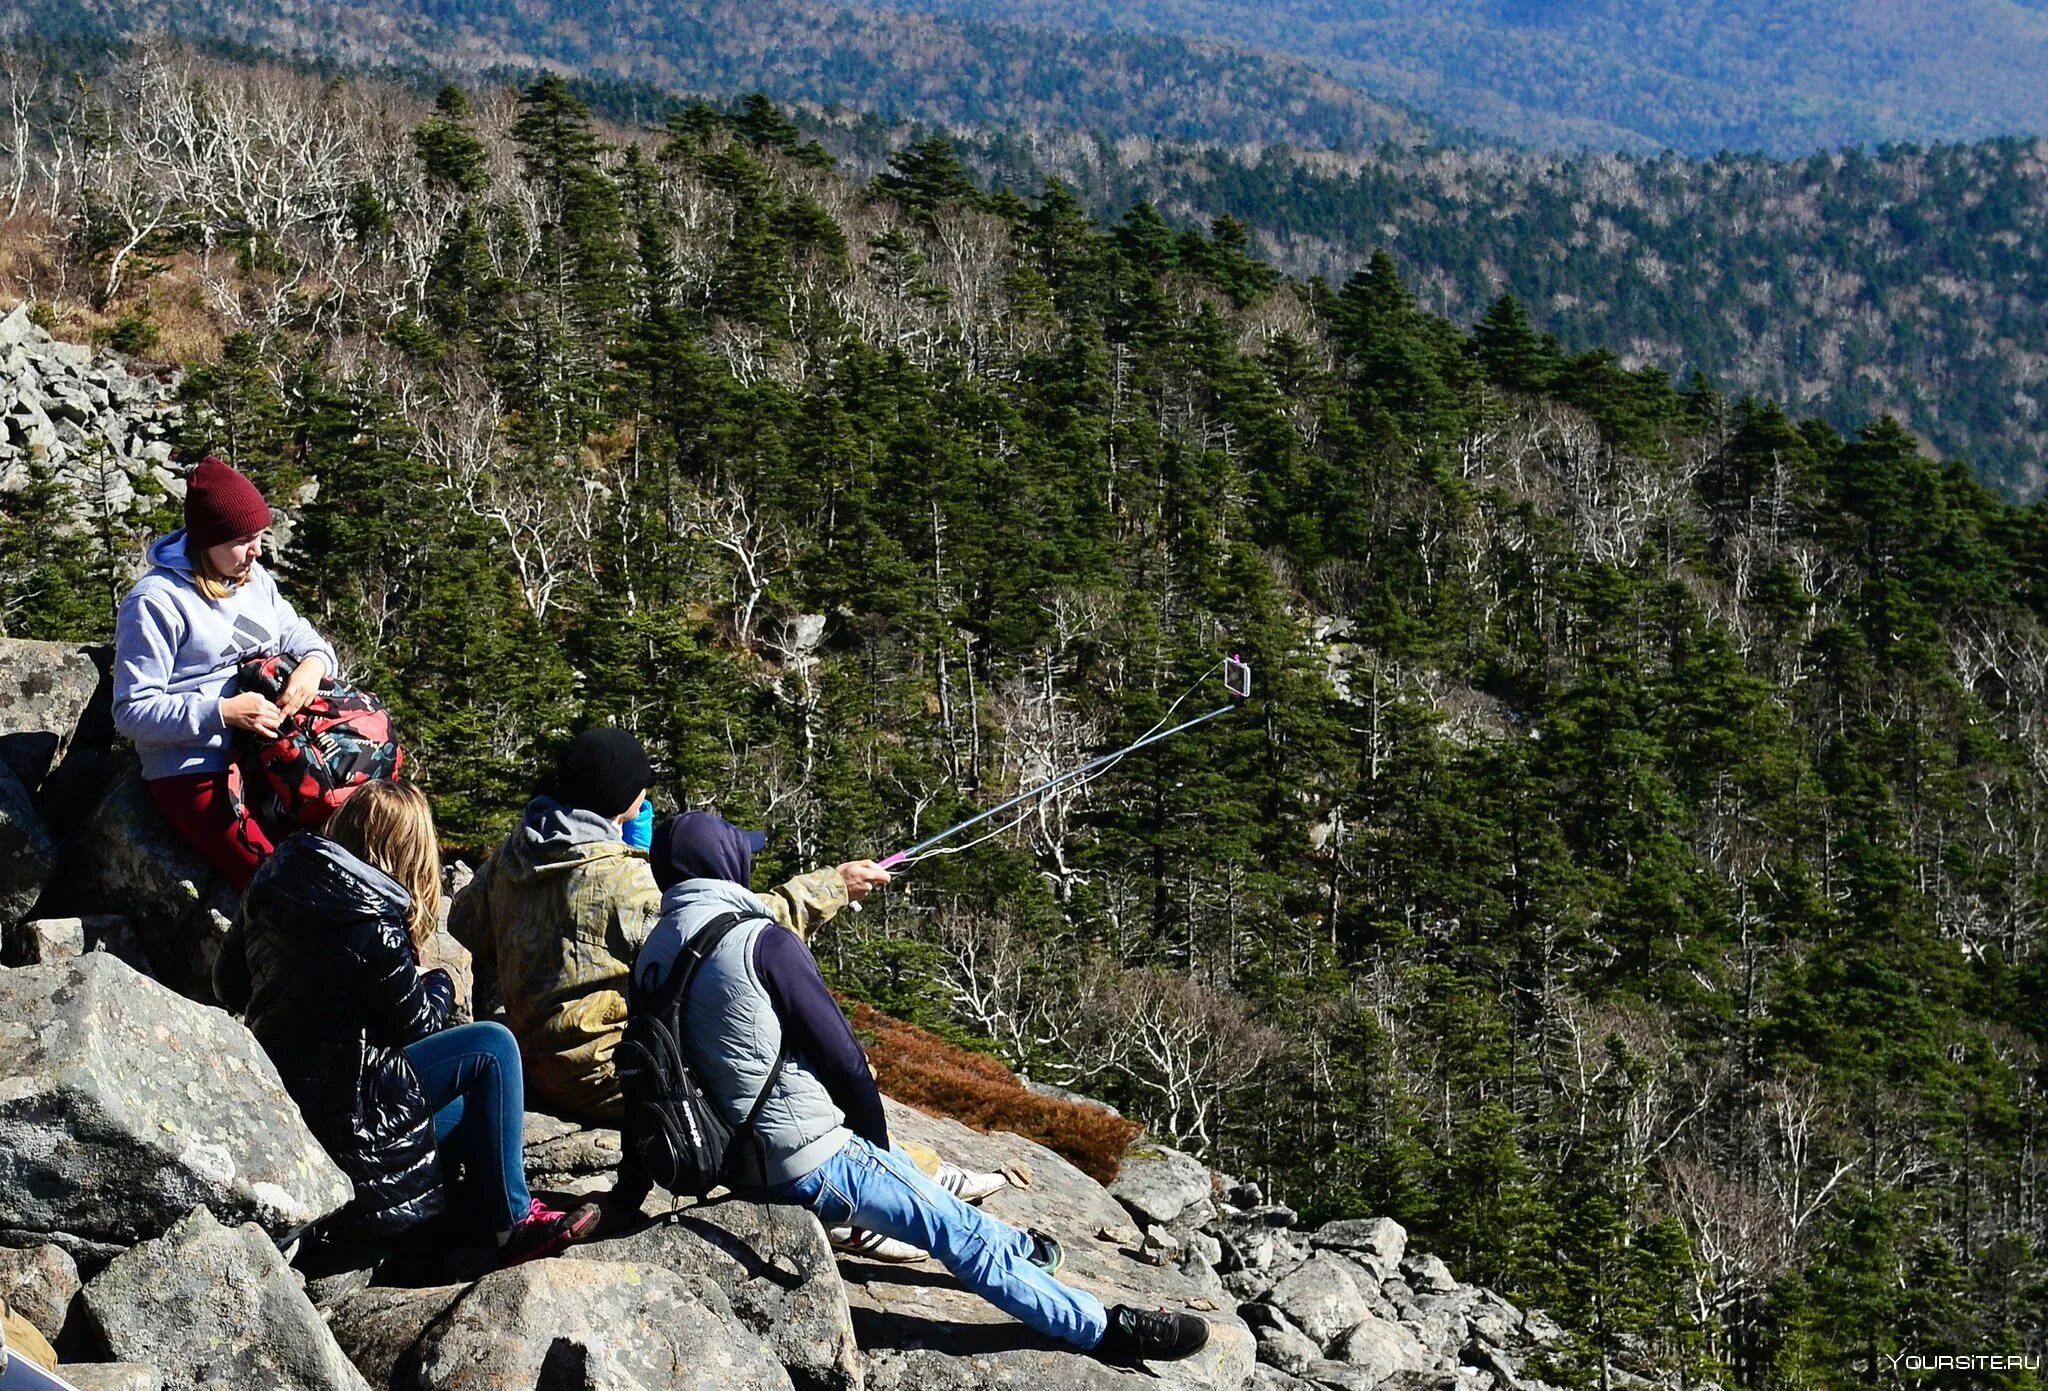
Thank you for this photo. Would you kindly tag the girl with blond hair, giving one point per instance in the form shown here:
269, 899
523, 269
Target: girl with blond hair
323, 962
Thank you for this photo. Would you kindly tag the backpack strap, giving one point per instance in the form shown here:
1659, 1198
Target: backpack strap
702, 944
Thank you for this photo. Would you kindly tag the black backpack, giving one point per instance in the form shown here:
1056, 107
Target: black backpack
672, 1128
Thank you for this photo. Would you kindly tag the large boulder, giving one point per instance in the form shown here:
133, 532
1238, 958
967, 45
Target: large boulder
1379, 1242
217, 1309
1158, 1185
588, 1324
1324, 1297
1382, 1348
126, 860
123, 1106
380, 1328
920, 1331
39, 1283
775, 1267
27, 855
45, 688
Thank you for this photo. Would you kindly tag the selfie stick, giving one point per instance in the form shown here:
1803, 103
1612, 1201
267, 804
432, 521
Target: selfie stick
1237, 679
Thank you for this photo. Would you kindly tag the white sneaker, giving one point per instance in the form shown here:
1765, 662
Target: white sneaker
966, 1184
859, 1241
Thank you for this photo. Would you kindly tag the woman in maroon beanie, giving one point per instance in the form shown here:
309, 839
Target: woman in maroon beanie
206, 606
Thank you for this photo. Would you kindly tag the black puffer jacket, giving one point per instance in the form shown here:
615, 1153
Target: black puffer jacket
319, 964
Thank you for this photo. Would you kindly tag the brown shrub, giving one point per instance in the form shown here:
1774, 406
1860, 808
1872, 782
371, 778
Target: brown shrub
921, 1069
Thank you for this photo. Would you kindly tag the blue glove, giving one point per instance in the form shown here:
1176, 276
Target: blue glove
640, 830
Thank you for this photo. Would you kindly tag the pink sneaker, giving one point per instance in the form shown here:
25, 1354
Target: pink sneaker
544, 1231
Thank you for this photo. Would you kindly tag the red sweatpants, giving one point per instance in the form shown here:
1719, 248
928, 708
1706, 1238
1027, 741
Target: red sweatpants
200, 809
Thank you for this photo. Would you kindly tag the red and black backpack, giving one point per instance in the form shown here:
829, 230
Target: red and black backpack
338, 741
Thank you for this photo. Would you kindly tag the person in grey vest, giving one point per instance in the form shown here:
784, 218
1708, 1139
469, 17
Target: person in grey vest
824, 1138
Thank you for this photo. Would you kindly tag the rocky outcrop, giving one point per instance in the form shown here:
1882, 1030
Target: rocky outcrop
215, 1308
1350, 1306
101, 429
123, 1106
777, 1275
589, 1323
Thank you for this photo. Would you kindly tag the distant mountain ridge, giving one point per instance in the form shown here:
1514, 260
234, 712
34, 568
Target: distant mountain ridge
1786, 77
931, 68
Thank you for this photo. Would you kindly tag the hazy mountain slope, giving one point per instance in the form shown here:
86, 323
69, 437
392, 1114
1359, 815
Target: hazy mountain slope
1915, 283
922, 68
1695, 77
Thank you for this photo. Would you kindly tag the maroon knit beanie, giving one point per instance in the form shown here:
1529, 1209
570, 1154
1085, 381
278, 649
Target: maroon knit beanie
220, 505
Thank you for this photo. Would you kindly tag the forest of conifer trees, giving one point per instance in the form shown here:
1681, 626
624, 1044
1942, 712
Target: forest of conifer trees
1629, 873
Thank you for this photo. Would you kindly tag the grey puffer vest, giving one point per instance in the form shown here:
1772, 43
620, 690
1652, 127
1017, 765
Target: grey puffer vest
734, 1034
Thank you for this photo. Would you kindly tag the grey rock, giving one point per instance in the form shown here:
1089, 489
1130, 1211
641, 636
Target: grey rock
45, 941
1439, 1321
27, 855
1156, 1184
449, 955
1422, 1381
113, 1376
1322, 1298
380, 1328
1380, 1240
1271, 1215
1382, 1348
216, 1307
39, 1283
1287, 1348
588, 1324
1339, 1376
1487, 1358
1541, 1329
1273, 1379
576, 1153
1427, 1273
774, 1265
1202, 1277
124, 859
1207, 1247
1160, 1247
1493, 1319
45, 688
1247, 1286
123, 1106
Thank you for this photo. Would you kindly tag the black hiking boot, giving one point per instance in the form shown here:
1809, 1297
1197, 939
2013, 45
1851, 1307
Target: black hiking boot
1151, 1335
1046, 1252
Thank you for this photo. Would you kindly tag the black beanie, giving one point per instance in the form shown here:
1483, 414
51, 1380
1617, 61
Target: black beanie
602, 770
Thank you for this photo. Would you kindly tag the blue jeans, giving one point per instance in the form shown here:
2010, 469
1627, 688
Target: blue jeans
471, 1076
883, 1191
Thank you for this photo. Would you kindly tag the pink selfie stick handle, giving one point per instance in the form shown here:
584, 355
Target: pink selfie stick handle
894, 860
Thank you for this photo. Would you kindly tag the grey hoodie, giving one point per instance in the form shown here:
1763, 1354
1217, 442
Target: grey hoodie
175, 654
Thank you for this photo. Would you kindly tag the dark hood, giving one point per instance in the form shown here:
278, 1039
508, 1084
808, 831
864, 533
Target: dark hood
703, 845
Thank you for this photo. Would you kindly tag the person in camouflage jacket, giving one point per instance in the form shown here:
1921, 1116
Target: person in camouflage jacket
556, 916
